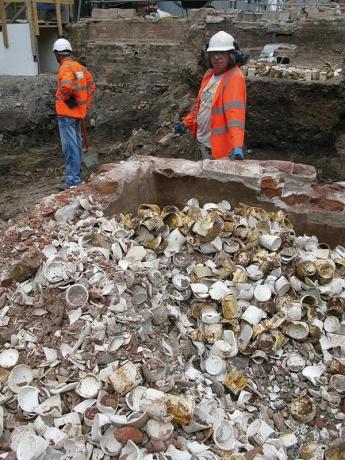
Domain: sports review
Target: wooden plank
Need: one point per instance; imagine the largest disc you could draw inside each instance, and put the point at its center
(62, 2)
(18, 13)
(35, 18)
(58, 18)
(4, 23)
(79, 9)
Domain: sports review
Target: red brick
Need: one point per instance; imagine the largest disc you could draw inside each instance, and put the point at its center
(63, 199)
(319, 422)
(268, 182)
(272, 192)
(328, 205)
(295, 199)
(128, 433)
(326, 189)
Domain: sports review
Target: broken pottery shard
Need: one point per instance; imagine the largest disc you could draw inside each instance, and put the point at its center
(180, 409)
(67, 213)
(303, 409)
(125, 379)
(235, 381)
(228, 308)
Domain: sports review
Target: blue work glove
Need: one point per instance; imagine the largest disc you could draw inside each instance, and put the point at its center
(236, 154)
(180, 128)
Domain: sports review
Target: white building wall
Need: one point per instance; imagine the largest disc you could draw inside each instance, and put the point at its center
(17, 59)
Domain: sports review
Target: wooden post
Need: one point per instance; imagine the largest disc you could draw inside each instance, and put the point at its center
(34, 46)
(35, 18)
(32, 33)
(4, 23)
(58, 17)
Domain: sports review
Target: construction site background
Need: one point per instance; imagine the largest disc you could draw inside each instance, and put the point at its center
(148, 71)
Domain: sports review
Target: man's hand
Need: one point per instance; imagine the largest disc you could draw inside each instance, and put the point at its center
(236, 154)
(71, 102)
(180, 128)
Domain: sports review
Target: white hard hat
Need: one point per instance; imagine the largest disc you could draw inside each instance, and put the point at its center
(62, 45)
(221, 41)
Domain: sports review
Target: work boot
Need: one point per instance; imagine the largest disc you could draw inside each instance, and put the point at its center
(64, 186)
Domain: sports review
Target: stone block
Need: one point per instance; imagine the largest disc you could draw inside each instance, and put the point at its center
(271, 16)
(175, 167)
(316, 13)
(113, 13)
(304, 170)
(214, 19)
(247, 171)
(327, 204)
(278, 165)
(139, 31)
(284, 16)
(199, 13)
(28, 265)
(295, 199)
(100, 14)
(128, 13)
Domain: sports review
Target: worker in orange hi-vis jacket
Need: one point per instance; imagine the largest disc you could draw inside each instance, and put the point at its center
(75, 90)
(218, 119)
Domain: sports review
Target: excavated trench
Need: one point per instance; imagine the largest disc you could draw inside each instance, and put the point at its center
(146, 81)
(315, 209)
(287, 120)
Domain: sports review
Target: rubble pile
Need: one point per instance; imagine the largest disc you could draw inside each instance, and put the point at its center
(193, 333)
(264, 69)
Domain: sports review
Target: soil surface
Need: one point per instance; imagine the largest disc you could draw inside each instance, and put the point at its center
(286, 120)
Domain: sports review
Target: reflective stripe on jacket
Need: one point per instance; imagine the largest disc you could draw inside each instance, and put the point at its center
(74, 80)
(228, 112)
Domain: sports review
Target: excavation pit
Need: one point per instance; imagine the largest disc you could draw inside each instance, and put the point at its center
(314, 209)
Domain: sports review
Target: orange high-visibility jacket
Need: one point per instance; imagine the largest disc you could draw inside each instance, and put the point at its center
(74, 80)
(228, 112)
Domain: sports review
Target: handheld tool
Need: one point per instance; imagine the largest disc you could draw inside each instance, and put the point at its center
(90, 157)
